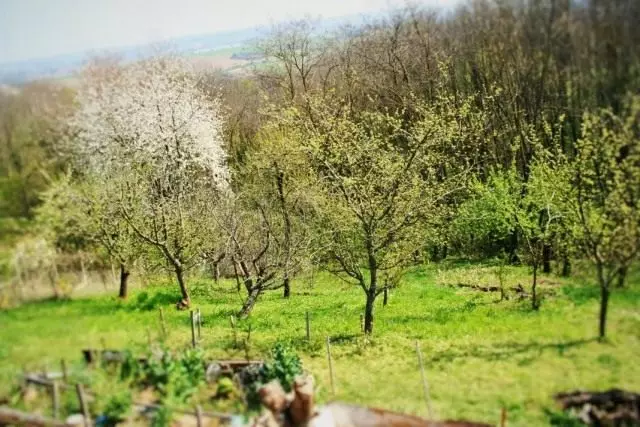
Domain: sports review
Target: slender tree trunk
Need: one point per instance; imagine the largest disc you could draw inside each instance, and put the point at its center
(566, 266)
(534, 297)
(604, 302)
(124, 277)
(622, 277)
(287, 231)
(368, 313)
(250, 302)
(183, 286)
(386, 297)
(287, 287)
(546, 258)
(216, 273)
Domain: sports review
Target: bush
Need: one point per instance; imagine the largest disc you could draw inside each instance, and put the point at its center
(117, 408)
(283, 366)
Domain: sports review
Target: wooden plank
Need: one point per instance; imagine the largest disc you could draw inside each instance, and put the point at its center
(11, 416)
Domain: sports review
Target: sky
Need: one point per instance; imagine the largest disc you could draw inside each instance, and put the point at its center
(43, 28)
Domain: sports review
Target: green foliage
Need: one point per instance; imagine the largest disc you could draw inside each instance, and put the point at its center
(504, 352)
(162, 417)
(174, 376)
(488, 216)
(117, 407)
(225, 387)
(284, 365)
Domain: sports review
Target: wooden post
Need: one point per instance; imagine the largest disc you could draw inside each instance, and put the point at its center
(199, 416)
(193, 329)
(83, 405)
(425, 385)
(55, 399)
(362, 323)
(503, 417)
(308, 322)
(233, 327)
(199, 324)
(163, 325)
(333, 386)
(65, 373)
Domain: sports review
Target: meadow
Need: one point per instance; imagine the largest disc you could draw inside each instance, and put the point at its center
(480, 354)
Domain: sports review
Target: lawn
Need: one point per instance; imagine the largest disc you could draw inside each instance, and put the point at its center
(480, 354)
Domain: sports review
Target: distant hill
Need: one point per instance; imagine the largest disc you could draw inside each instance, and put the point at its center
(225, 50)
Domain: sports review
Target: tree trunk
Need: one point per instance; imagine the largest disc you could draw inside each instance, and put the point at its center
(386, 297)
(622, 277)
(546, 259)
(287, 287)
(183, 286)
(216, 273)
(287, 231)
(566, 266)
(604, 302)
(124, 277)
(249, 303)
(534, 297)
(368, 313)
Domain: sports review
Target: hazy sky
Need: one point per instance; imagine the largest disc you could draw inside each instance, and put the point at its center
(41, 28)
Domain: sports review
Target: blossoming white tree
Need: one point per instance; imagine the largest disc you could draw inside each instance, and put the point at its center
(151, 136)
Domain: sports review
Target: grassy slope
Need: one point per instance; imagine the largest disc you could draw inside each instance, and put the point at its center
(479, 355)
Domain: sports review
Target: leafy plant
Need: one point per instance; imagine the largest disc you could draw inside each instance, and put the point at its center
(284, 366)
(117, 408)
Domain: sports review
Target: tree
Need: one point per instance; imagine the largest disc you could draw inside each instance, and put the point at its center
(605, 197)
(31, 144)
(80, 216)
(149, 134)
(381, 185)
(256, 247)
(276, 181)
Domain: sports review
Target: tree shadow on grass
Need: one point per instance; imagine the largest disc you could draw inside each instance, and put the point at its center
(506, 350)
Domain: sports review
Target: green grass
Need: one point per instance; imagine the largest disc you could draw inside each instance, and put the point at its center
(480, 355)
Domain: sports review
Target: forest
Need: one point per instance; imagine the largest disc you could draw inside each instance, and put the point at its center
(500, 133)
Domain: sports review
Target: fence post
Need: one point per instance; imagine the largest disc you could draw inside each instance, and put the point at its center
(193, 329)
(65, 374)
(425, 385)
(333, 386)
(163, 326)
(308, 323)
(55, 397)
(235, 333)
(83, 405)
(199, 416)
(199, 324)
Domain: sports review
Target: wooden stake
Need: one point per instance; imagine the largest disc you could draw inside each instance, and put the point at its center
(83, 405)
(193, 329)
(163, 326)
(308, 322)
(55, 397)
(235, 334)
(199, 324)
(425, 385)
(65, 373)
(503, 417)
(333, 386)
(199, 416)
(362, 323)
